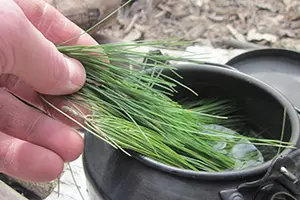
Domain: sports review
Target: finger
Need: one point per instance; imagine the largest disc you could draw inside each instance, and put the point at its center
(20, 89)
(54, 26)
(27, 161)
(26, 123)
(25, 52)
(24, 92)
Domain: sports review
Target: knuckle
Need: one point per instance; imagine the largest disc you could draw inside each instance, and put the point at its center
(59, 70)
(14, 121)
(4, 98)
(46, 20)
(29, 133)
(39, 15)
(8, 117)
(8, 81)
(9, 156)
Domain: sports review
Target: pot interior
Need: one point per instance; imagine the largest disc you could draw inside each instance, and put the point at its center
(261, 106)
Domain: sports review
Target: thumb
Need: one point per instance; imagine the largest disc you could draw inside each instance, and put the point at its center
(25, 52)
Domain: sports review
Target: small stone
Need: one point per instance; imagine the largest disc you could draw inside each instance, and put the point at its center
(289, 43)
(295, 24)
(196, 32)
(133, 35)
(287, 33)
(215, 18)
(253, 35)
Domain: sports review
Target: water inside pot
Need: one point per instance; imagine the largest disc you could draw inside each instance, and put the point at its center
(243, 152)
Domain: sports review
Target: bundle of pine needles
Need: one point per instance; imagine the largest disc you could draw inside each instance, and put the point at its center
(133, 111)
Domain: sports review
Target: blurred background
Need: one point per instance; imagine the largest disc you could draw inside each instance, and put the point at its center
(216, 23)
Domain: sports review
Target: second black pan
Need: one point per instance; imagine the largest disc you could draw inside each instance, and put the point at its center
(279, 68)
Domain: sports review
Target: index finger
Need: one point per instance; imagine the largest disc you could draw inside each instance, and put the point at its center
(52, 24)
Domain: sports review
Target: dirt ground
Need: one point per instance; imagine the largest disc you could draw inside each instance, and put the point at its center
(219, 23)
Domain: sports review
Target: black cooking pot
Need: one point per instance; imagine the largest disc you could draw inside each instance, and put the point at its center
(112, 175)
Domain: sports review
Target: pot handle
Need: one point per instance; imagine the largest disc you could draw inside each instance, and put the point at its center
(283, 169)
(282, 178)
(231, 195)
(283, 195)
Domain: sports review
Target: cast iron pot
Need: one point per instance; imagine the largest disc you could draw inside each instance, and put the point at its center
(112, 175)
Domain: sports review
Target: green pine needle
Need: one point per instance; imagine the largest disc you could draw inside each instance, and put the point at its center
(133, 110)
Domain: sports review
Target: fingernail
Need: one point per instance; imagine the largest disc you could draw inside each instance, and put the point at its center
(76, 73)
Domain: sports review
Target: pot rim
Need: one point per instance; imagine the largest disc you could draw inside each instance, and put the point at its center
(225, 175)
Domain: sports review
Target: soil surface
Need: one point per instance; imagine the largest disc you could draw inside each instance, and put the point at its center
(218, 23)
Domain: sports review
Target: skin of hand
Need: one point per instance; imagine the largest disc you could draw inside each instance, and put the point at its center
(34, 146)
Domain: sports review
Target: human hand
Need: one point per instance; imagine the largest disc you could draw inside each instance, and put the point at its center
(33, 146)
